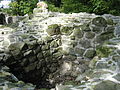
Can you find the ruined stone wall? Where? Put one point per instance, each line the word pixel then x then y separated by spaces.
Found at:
pixel 55 44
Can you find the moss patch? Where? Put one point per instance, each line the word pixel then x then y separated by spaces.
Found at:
pixel 66 30
pixel 53 29
pixel 103 51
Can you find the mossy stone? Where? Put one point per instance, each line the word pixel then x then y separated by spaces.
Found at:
pixel 72 37
pixel 85 43
pixel 116 58
pixel 30 67
pixel 105 85
pixel 99 21
pixel 79 51
pixel 54 44
pixel 46 53
pixel 93 62
pixel 103 51
pixel 78 33
pixel 57 55
pixel 70 57
pixel 96 29
pixel 53 29
pixel 109 29
pixel 48 39
pixel 90 35
pixel 117 76
pixel 85 28
pixel 110 22
pixel 65 30
pixel 103 37
pixel 20 46
pixel 102 65
pixel 90 53
pixel 45 47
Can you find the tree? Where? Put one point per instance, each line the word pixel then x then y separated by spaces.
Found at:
pixel 75 6
pixel 22 7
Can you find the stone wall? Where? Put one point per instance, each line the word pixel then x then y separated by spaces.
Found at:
pixel 53 47
pixel 7 19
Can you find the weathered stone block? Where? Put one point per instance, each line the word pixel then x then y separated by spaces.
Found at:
pixel 32 44
pixel 85 27
pixel 101 65
pixel 54 44
pixel 20 46
pixel 85 43
pixel 97 29
pixel 46 53
pixel 89 35
pixel 40 63
pixel 29 53
pixel 106 85
pixel 53 29
pixel 110 22
pixel 32 59
pixel 30 67
pixel 99 21
pixel 57 55
pixel 48 39
pixel 37 50
pixel 24 62
pixel 65 30
pixel 103 51
pixel 116 58
pixel 103 37
pixel 90 53
pixel 79 51
pixel 109 29
pixel 40 55
pixel 78 33
pixel 69 57
pixel 45 47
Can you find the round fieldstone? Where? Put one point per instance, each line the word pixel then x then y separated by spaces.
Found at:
pixel 96 29
pixel 54 44
pixel 99 21
pixel 117 77
pixel 90 53
pixel 89 35
pixel 78 33
pixel 109 29
pixel 85 28
pixel 116 58
pixel 106 85
pixel 110 22
pixel 79 51
pixel 85 43
pixel 53 29
pixel 65 30
pixel 103 37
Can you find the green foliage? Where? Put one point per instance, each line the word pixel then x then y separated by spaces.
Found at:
pixel 100 6
pixel 90 6
pixel 21 7
pixel 70 6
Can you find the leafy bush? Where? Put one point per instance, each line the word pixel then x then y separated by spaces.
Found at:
pixel 52 7
pixel 90 6
pixel 22 7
